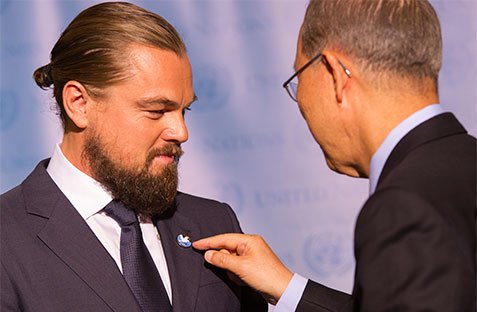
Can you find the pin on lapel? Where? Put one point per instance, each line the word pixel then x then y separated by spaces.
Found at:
pixel 184 240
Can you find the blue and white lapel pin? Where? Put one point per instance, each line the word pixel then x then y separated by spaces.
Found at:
pixel 184 240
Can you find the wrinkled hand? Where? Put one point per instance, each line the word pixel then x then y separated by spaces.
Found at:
pixel 251 259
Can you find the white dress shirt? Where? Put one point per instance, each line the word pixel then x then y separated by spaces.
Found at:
pixel 294 291
pixel 89 198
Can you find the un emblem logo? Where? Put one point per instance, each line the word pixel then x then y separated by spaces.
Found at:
pixel 328 254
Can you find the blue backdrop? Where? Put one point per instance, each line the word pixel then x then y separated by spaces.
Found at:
pixel 248 143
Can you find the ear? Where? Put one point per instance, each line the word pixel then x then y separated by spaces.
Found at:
pixel 341 74
pixel 76 101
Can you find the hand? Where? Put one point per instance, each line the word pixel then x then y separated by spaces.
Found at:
pixel 251 259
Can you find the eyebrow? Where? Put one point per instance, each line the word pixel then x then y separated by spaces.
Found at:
pixel 163 101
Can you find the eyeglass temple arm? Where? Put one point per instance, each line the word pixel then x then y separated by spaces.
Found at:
pixel 346 70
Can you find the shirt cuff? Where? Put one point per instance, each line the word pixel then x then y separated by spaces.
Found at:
pixel 292 294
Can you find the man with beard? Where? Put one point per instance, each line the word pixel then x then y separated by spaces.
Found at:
pixel 367 88
pixel 100 226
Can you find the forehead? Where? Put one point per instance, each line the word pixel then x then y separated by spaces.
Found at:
pixel 153 72
pixel 155 63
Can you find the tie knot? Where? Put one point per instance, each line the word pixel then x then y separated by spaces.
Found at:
pixel 124 216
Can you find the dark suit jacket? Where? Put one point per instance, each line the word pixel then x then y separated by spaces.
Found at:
pixel 415 238
pixel 52 261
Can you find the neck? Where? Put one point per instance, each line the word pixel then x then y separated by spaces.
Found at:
pixel 384 114
pixel 72 147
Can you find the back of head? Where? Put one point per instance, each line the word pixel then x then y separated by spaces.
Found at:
pixel 93 48
pixel 386 38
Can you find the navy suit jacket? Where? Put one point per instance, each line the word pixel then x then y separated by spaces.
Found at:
pixel 52 261
pixel 415 237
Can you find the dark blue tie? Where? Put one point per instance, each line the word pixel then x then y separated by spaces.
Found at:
pixel 139 269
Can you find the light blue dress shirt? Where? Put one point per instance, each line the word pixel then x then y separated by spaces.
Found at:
pixel 294 291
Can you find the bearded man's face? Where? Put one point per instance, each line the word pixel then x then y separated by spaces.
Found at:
pixel 135 128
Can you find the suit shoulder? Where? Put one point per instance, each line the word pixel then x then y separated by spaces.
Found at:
pixel 184 198
pixel 194 205
pixel 16 196
pixel 11 199
pixel 392 203
pixel 210 213
pixel 443 171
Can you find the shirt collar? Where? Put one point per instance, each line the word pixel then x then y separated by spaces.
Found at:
pixel 85 194
pixel 381 155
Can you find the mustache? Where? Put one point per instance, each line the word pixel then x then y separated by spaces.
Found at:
pixel 170 150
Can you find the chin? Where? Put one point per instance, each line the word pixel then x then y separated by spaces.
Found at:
pixel 156 170
pixel 330 165
pixel 342 169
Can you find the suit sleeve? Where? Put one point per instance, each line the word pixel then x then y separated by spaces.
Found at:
pixel 409 257
pixel 319 298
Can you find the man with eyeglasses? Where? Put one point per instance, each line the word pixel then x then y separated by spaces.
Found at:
pixel 368 73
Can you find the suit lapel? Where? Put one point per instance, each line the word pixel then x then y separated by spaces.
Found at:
pixel 437 127
pixel 71 239
pixel 184 264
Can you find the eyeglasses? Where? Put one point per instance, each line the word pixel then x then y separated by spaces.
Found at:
pixel 292 86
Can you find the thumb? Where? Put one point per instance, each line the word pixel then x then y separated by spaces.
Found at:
pixel 222 260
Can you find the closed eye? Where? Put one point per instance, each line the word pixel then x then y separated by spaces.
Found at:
pixel 155 114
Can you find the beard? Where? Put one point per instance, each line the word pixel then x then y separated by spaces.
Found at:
pixel 149 195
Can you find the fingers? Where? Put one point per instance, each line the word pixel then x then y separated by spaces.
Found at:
pixel 229 242
pixel 250 258
pixel 223 260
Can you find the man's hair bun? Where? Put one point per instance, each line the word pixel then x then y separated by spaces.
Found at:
pixel 43 77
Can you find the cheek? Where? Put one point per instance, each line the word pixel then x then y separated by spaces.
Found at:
pixel 126 140
pixel 306 97
pixel 137 140
pixel 303 102
pixel 309 106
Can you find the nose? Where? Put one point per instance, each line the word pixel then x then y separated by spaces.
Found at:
pixel 176 131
